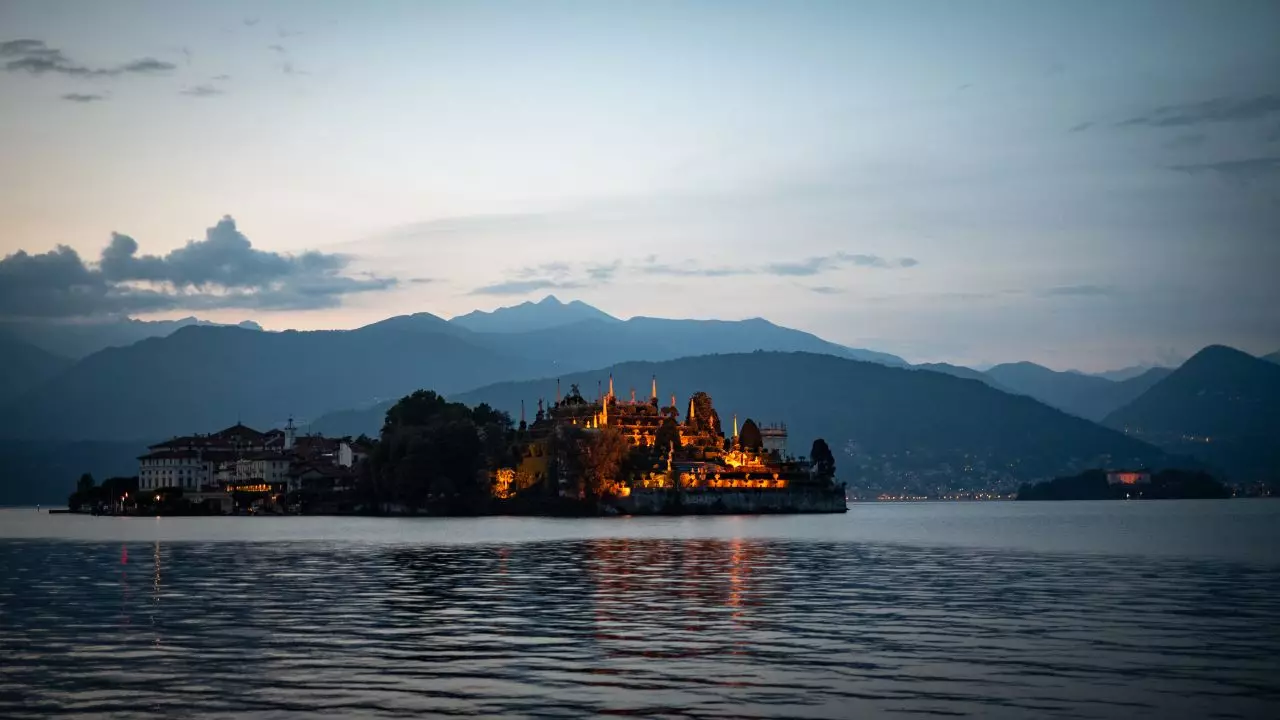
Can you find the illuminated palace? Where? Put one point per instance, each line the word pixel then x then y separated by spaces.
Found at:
pixel 669 460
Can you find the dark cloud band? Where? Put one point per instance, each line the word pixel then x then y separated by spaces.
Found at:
pixel 561 275
pixel 1222 109
pixel 221 271
pixel 37 58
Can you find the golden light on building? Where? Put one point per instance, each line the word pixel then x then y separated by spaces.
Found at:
pixel 503 480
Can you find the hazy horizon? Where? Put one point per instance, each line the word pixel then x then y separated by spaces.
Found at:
pixel 1083 186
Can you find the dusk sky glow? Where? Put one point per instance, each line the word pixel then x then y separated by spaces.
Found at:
pixel 1084 185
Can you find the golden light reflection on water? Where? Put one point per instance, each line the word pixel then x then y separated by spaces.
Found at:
pixel 627 626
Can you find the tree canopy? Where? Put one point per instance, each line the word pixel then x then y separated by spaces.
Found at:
pixel 824 462
pixel 666 436
pixel 749 436
pixel 606 449
pixel 705 418
pixel 432 451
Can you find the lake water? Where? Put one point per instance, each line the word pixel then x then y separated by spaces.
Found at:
pixel 1081 610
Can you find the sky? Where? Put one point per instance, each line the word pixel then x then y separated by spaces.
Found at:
pixel 1084 185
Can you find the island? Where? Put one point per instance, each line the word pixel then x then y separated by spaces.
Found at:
pixel 1141 484
pixel 578 456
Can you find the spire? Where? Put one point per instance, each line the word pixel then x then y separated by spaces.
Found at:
pixel 735 426
pixel 557 391
pixel 655 388
pixel 673 399
pixel 610 384
pixel 633 396
pixel 690 418
pixel 522 415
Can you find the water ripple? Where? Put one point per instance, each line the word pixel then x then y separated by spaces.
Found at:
pixel 698 628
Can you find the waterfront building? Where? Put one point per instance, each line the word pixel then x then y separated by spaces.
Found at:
pixel 192 462
pixel 690 456
pixel 241 462
pixel 775 438
pixel 1128 477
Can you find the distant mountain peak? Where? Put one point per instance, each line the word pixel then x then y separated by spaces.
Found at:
pixel 1222 407
pixel 1214 355
pixel 549 312
pixel 1128 373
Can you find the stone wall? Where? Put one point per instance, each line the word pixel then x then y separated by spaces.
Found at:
pixel 724 502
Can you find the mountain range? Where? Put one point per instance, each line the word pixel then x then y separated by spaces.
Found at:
pixel 24 366
pixel 76 340
pixel 546 313
pixel 1125 373
pixel 1222 406
pixel 1087 396
pixel 576 336
pixel 885 419
pixel 202 377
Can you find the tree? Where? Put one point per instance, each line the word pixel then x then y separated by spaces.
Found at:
pixel 418 409
pixel 749 437
pixel 824 463
pixel 484 415
pixel 113 489
pixel 705 418
pixel 86 484
pixel 574 397
pixel 606 449
pixel 668 435
pixel 432 449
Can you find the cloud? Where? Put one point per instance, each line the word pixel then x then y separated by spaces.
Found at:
pixel 603 273
pixel 816 265
pixel 553 269
pixel 146 65
pixel 25 47
pixel 1078 291
pixel 812 266
pixel 1081 127
pixel 1189 140
pixel 220 78
pixel 1240 172
pixel 562 275
pixel 83 97
pixel 826 290
pixel 521 287
pixel 202 91
pixel 1220 109
pixel 421 280
pixel 651 267
pixel 277 48
pixel 250 21
pixel 221 271
pixel 37 58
